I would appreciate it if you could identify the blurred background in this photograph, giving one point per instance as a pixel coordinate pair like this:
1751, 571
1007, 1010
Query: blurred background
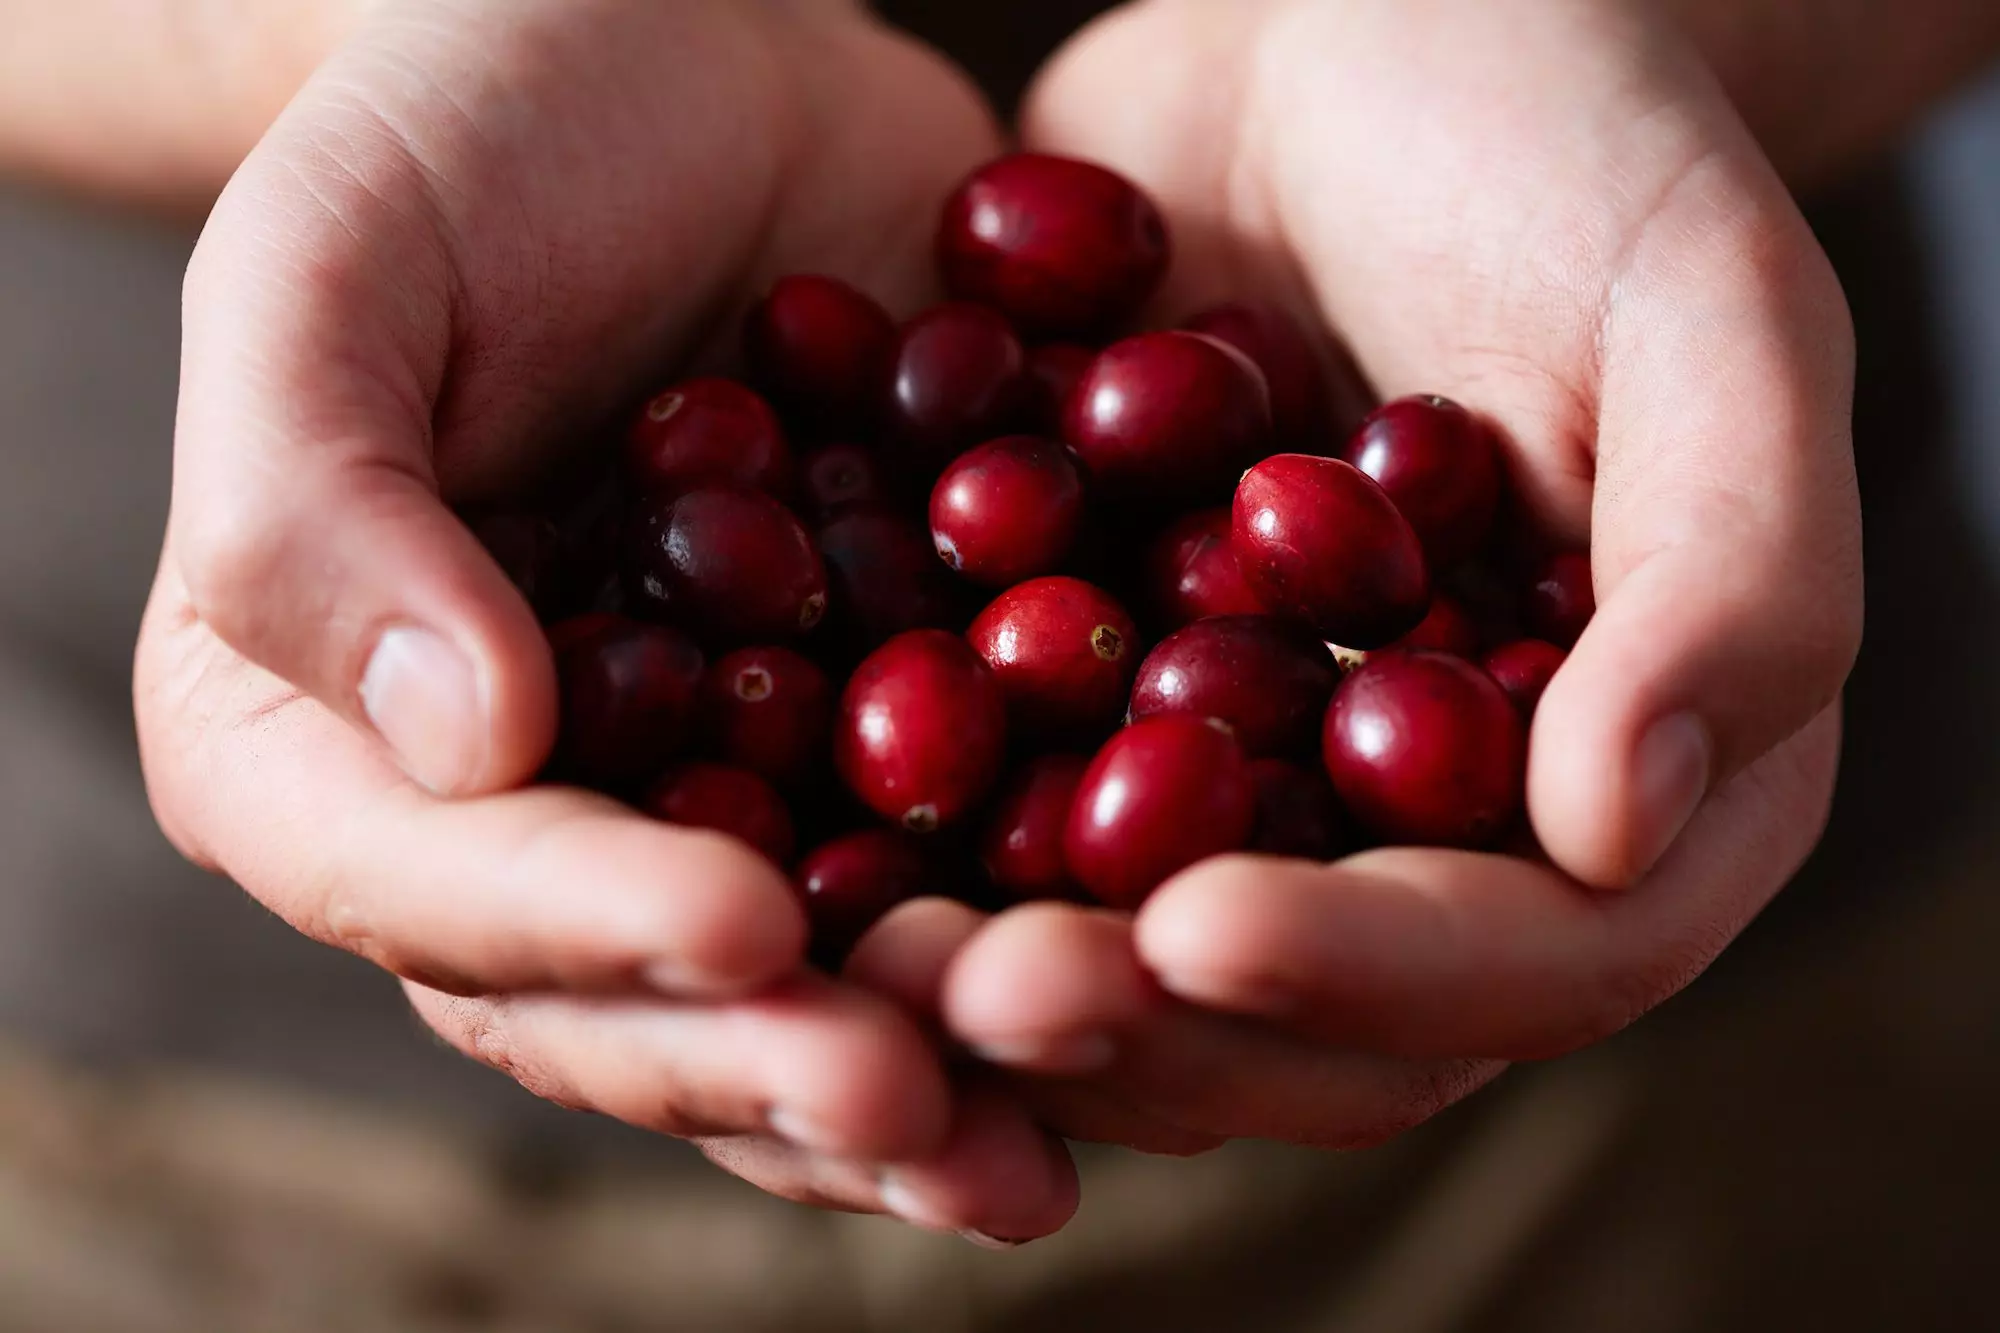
208, 1124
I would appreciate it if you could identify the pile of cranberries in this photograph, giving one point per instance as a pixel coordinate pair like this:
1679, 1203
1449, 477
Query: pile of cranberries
1012, 602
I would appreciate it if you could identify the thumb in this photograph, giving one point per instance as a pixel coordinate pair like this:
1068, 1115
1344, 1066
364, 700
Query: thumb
307, 522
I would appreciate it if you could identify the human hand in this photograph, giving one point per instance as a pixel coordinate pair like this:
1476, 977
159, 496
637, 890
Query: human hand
1550, 213
478, 229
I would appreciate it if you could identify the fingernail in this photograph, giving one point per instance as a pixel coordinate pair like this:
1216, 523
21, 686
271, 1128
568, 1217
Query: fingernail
1672, 774
422, 696
672, 977
804, 1132
986, 1242
906, 1203
1081, 1053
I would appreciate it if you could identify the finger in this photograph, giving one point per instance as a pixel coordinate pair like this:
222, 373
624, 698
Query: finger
526, 890
1424, 954
819, 1065
1083, 1111
905, 956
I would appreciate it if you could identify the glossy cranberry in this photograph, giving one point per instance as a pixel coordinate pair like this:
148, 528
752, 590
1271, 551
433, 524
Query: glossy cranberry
1319, 541
1269, 679
886, 577
1059, 246
1063, 652
1560, 600
770, 711
1022, 847
922, 730
1425, 749
1007, 511
708, 432
1441, 465
628, 698
528, 549
1191, 572
1054, 370
1298, 813
1524, 669
1161, 795
730, 563
729, 800
1448, 628
851, 883
1168, 417
955, 379
821, 349
1302, 408
841, 476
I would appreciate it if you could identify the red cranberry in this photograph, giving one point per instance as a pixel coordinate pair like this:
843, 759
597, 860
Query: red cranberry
1269, 679
1059, 246
821, 349
628, 697
1302, 409
728, 800
955, 379
1448, 628
770, 711
886, 577
1063, 652
922, 730
1054, 370
1441, 465
1318, 540
1298, 814
840, 476
1560, 600
1007, 511
708, 432
528, 549
1424, 748
1524, 669
1191, 572
851, 883
1022, 848
1163, 794
731, 563
1168, 417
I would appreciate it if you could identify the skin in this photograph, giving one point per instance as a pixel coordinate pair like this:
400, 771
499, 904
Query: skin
425, 266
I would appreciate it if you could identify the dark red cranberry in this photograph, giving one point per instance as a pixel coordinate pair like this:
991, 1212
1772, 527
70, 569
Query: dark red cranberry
1022, 847
1302, 408
1160, 796
728, 800
1269, 679
1425, 749
821, 349
528, 549
1448, 628
1298, 814
1063, 652
770, 711
1441, 465
1054, 369
728, 562
1191, 572
1007, 511
841, 476
1560, 600
1168, 417
955, 379
851, 883
628, 698
922, 730
1524, 669
1318, 540
1059, 246
590, 529
708, 432
886, 577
